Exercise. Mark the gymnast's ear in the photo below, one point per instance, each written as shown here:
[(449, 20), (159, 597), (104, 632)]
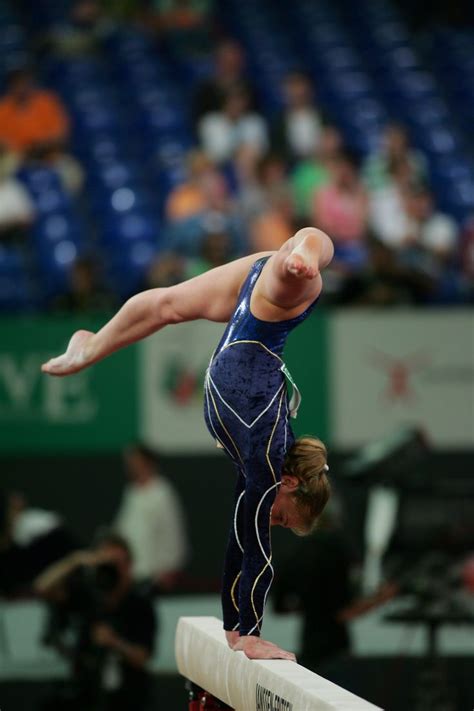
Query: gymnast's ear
[(289, 482)]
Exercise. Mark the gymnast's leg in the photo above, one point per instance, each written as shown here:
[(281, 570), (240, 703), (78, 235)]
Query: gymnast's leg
[(291, 279)]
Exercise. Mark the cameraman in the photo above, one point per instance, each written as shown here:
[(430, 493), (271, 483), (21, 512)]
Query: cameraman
[(102, 623)]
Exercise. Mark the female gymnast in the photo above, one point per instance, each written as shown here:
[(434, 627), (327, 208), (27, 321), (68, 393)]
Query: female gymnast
[(281, 481)]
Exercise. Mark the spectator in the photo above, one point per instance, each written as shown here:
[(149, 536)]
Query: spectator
[(184, 24), (85, 294), (190, 199), (201, 205), (223, 132), (16, 208), (216, 250), (30, 116), (167, 269), (341, 210), (316, 581), (151, 520), (315, 172), (431, 247), (388, 217), (395, 148), (434, 231), (260, 181), (296, 133), (79, 34), (229, 72), (273, 222), (103, 625), (30, 540), (54, 156)]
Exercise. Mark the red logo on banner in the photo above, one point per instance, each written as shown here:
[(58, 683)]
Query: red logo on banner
[(399, 371)]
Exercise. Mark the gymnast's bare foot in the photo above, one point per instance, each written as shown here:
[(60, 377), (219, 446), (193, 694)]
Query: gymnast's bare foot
[(74, 359), (303, 260)]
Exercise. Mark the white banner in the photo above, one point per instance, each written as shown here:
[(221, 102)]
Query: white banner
[(172, 368), (393, 369)]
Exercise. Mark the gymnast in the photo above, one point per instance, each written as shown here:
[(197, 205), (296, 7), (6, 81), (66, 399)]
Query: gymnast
[(280, 480)]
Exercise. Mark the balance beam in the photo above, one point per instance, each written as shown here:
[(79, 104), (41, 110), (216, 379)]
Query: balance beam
[(203, 657)]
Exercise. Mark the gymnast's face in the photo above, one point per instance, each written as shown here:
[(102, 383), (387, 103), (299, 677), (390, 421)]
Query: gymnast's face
[(284, 510)]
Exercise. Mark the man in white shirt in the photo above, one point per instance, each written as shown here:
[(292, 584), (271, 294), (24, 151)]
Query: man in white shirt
[(151, 520)]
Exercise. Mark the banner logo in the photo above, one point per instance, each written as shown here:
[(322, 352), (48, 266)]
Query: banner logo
[(269, 701)]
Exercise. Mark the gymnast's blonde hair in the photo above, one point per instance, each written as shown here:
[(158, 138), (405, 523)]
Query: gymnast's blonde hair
[(307, 461)]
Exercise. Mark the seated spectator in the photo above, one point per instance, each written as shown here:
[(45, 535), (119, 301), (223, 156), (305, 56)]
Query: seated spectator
[(103, 625), (216, 250), (31, 539), (431, 248), (259, 181), (395, 148), (266, 205), (229, 72), (222, 132), (79, 34), (16, 208), (54, 156), (201, 205), (30, 116), (434, 231), (185, 24), (165, 270), (151, 520), (296, 132), (341, 209), (315, 172), (388, 217), (85, 294), (189, 199)]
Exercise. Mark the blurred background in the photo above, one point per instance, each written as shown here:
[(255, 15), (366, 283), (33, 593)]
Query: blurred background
[(142, 143)]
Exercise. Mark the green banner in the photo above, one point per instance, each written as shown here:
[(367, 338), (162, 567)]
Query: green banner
[(306, 355), (93, 410)]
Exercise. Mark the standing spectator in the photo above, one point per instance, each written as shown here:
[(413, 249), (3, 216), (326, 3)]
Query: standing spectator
[(229, 72), (151, 520), (103, 625), (395, 148), (316, 581), (235, 124), (31, 539), (297, 131), (30, 116), (315, 172), (341, 210)]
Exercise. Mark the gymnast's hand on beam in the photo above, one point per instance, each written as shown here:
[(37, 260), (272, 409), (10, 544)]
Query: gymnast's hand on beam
[(74, 359), (256, 648), (232, 638)]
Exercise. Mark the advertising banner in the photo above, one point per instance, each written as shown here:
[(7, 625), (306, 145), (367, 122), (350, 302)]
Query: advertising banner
[(94, 410), (402, 368)]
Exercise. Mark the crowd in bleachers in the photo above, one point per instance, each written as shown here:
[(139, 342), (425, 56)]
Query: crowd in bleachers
[(144, 143)]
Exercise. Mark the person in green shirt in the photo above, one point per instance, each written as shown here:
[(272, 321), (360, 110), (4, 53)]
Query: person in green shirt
[(310, 175)]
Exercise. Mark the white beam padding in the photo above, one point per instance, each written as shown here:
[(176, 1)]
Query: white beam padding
[(203, 656)]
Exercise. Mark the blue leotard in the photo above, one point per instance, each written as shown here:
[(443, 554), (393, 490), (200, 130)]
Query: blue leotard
[(247, 410)]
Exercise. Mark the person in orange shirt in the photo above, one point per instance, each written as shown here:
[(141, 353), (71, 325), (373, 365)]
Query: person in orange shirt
[(31, 116)]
